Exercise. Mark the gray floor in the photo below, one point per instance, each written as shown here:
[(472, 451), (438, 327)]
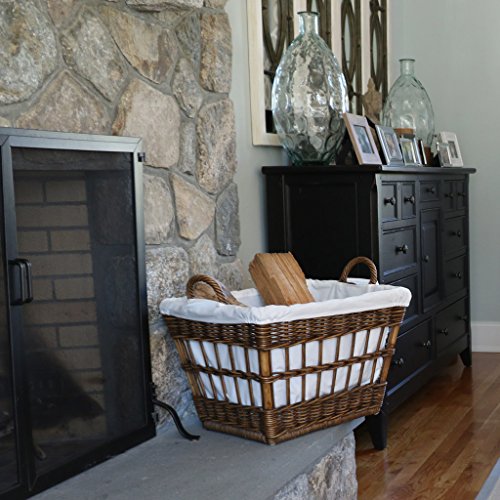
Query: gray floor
[(218, 467)]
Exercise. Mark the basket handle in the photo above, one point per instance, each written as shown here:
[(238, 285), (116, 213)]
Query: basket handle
[(359, 260), (221, 293)]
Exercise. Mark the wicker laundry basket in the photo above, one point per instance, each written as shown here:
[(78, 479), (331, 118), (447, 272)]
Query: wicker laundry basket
[(274, 381)]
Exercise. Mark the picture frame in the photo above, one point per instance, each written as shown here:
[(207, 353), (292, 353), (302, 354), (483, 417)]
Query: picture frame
[(409, 149), (450, 138), (443, 151), (389, 145), (421, 149), (362, 140)]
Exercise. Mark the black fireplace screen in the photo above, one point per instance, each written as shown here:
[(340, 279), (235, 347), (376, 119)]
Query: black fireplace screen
[(78, 331)]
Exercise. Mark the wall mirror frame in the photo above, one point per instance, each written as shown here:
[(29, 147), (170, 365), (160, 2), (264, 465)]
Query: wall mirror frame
[(356, 30)]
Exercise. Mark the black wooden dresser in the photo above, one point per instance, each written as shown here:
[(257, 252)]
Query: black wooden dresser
[(413, 223)]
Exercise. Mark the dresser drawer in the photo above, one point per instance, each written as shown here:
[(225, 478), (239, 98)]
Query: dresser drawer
[(408, 200), (413, 351), (389, 201), (454, 235), (455, 195), (451, 324), (429, 191), (398, 252), (455, 275)]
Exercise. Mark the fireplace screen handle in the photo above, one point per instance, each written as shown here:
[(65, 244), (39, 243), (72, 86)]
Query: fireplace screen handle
[(21, 282)]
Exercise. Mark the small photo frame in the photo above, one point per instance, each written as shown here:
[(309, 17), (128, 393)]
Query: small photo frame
[(443, 151), (410, 152), (421, 149), (389, 144), (362, 140), (451, 139)]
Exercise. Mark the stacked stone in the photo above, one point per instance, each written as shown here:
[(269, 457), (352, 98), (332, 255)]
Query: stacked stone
[(156, 69)]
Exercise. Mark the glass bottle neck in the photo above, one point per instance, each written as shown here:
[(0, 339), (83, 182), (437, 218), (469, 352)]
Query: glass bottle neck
[(308, 22), (407, 66)]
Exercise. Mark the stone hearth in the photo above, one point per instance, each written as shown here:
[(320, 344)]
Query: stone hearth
[(156, 69)]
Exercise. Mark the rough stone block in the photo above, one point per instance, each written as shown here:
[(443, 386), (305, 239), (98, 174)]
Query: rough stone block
[(66, 106), (188, 34), (165, 4), (188, 148), (158, 209), (71, 240), (90, 50), (186, 89), (217, 145), (227, 222), (29, 50), (215, 4), (231, 275), (60, 10), (168, 376), (202, 257), (334, 476), (147, 46), (74, 288), (154, 116), (195, 210), (216, 52), (167, 272)]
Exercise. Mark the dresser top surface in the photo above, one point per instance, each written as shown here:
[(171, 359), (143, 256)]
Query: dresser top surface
[(365, 169)]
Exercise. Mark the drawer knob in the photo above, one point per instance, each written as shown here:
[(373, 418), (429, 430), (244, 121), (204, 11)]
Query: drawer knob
[(458, 275), (444, 331), (464, 317), (402, 249), (426, 258), (457, 233), (398, 362), (463, 195), (390, 201), (449, 195), (426, 344), (410, 199), (431, 190)]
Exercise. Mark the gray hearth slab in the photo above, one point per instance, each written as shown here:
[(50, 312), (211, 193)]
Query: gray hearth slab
[(217, 467)]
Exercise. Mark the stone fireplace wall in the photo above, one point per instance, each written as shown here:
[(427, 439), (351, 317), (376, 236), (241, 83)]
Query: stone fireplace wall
[(156, 69)]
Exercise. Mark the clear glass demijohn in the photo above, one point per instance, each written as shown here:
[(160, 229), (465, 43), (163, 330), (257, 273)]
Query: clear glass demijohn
[(408, 104), (309, 97)]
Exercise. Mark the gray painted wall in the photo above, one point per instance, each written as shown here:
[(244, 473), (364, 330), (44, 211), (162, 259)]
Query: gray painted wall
[(455, 44), (250, 158)]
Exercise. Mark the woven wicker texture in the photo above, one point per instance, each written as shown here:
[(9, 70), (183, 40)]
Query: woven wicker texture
[(351, 393)]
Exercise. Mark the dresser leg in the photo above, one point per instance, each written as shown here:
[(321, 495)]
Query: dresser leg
[(466, 356), (377, 427)]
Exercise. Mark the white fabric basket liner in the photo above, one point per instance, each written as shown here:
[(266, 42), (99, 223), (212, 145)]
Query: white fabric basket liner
[(332, 298)]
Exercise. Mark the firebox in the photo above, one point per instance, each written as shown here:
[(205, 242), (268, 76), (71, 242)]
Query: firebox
[(75, 375)]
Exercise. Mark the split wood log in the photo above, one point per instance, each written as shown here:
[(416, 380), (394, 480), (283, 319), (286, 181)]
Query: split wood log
[(279, 279)]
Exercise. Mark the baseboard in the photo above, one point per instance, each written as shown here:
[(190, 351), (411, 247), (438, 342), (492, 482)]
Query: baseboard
[(485, 337)]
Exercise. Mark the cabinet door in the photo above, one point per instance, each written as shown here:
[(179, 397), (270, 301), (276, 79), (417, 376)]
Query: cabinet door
[(429, 240), (9, 478)]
